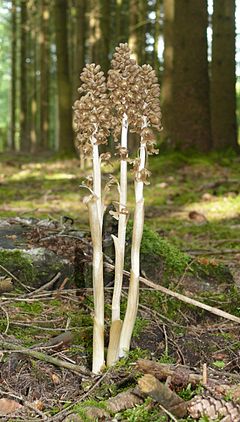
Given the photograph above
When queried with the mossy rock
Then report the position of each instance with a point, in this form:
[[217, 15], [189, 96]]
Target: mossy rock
[[34, 267], [165, 264]]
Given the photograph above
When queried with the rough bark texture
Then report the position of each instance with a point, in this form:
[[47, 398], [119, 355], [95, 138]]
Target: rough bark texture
[[186, 113], [79, 36], [223, 94], [24, 140], [65, 134], [12, 144], [44, 74]]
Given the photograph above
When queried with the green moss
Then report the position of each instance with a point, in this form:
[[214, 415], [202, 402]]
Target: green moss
[[35, 308], [175, 261], [19, 263]]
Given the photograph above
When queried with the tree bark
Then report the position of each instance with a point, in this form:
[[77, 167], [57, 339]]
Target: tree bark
[[65, 133], [24, 138], [186, 111], [44, 74], [79, 39], [223, 92], [12, 141]]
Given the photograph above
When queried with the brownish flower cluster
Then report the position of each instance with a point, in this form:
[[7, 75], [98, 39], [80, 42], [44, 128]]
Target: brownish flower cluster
[[124, 84], [91, 118]]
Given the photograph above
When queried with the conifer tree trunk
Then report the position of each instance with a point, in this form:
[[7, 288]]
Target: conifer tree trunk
[[44, 74], [94, 33], [65, 133], [133, 31], [32, 83], [79, 39], [105, 16], [157, 33], [12, 141], [185, 90], [120, 22], [24, 138], [223, 93]]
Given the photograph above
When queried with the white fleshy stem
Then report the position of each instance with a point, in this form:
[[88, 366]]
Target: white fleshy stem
[[138, 222], [97, 177], [96, 221], [98, 286], [119, 243]]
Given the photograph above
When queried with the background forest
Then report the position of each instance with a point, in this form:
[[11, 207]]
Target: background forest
[[46, 43]]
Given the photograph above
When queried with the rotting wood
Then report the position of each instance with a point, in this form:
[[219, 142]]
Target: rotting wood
[[149, 385]]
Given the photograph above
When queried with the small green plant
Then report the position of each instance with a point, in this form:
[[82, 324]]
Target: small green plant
[[220, 364], [127, 101]]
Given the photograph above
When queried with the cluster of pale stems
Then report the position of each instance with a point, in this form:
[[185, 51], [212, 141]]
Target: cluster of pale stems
[[127, 101]]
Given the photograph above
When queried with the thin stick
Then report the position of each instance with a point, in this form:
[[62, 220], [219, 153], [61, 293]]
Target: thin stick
[[7, 318], [45, 286], [213, 310], [15, 278], [8, 347], [167, 412], [26, 403], [65, 412]]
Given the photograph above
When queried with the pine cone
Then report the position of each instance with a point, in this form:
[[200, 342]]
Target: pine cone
[[214, 408]]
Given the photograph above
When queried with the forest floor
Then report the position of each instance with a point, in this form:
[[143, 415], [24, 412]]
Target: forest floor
[[194, 203]]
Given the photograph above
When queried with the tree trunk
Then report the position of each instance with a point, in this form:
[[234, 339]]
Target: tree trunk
[[79, 39], [44, 74], [65, 133], [12, 141], [105, 16], [120, 29], [32, 83], [133, 32], [223, 93], [186, 111], [24, 138], [94, 33], [157, 34]]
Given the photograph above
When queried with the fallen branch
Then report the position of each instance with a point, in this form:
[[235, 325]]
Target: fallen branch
[[170, 402], [183, 298], [7, 347], [46, 286]]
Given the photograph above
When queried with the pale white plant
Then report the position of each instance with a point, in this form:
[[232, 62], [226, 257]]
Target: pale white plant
[[132, 102]]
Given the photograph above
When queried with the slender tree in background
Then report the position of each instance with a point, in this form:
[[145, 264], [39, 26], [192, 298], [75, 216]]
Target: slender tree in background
[[79, 42], [12, 141], [120, 22], [186, 116], [157, 34], [32, 82], [133, 32], [223, 91], [105, 17], [142, 30], [24, 139], [43, 40], [94, 32], [65, 134]]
